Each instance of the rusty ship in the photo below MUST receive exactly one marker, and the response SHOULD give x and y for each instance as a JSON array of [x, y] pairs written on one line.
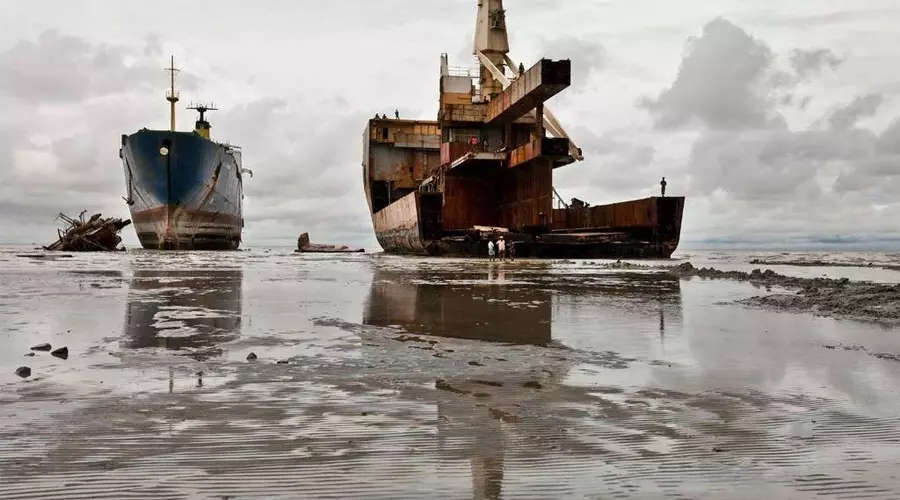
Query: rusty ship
[[485, 168], [184, 190]]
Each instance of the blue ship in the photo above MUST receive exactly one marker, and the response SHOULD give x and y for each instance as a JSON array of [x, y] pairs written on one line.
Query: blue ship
[[184, 190]]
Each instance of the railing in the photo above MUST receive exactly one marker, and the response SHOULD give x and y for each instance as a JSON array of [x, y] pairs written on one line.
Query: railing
[[463, 71]]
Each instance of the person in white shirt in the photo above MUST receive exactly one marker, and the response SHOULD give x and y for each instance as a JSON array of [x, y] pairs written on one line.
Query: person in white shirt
[[501, 248], [490, 249]]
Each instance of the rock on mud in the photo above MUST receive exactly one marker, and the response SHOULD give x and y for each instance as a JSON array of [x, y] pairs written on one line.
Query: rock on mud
[[62, 353], [23, 371], [42, 347]]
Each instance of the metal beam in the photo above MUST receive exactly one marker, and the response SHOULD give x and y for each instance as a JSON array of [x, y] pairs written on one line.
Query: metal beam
[[550, 121], [553, 148], [541, 82]]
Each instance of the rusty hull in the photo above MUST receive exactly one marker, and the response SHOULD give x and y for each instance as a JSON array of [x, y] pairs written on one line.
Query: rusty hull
[[488, 162]]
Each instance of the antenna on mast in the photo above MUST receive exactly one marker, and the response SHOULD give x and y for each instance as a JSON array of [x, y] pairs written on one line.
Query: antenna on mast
[[172, 94], [202, 126]]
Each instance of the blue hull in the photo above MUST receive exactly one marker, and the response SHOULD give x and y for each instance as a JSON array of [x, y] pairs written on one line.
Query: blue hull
[[188, 199]]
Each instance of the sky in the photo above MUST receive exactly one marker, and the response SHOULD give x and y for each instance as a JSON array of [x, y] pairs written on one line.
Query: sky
[[779, 121]]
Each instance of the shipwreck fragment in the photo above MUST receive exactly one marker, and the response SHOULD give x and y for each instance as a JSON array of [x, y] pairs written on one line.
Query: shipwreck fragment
[[304, 246], [93, 235]]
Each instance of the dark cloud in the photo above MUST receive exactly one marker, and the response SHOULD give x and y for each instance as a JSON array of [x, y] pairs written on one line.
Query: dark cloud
[[889, 142], [61, 68], [809, 62], [720, 82], [749, 163], [861, 107]]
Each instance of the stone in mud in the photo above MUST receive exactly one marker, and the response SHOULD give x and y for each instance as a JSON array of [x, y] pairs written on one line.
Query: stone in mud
[[30, 355], [475, 363], [251, 356], [23, 371], [502, 415], [41, 347], [533, 384], [61, 353], [442, 384], [408, 338]]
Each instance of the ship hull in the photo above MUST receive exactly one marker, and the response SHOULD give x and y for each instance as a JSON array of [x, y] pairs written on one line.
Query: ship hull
[[428, 197], [646, 228], [188, 199]]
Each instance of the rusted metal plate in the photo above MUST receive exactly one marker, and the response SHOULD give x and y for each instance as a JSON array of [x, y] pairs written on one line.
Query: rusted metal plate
[[413, 131], [548, 147], [397, 226], [541, 82], [527, 196], [451, 151], [470, 201], [627, 214], [524, 154], [462, 113]]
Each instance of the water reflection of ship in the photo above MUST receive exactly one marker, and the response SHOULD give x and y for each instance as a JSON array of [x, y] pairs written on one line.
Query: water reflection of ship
[[189, 310], [470, 427], [488, 312]]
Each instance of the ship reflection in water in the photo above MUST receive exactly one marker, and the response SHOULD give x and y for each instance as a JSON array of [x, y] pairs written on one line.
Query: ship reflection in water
[[485, 311], [486, 419], [189, 310]]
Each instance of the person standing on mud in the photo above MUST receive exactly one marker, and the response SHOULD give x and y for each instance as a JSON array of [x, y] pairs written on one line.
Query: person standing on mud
[[490, 250], [501, 249], [662, 184]]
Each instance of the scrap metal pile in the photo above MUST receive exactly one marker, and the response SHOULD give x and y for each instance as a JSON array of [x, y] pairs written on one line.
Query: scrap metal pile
[[93, 235]]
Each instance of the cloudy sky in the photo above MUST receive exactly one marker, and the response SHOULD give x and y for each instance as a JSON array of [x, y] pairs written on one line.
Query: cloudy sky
[[780, 121]]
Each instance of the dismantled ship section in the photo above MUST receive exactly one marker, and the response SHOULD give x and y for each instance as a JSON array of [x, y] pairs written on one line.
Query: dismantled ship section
[[485, 168]]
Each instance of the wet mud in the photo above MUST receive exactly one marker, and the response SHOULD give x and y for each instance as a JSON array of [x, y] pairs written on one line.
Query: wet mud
[[841, 298], [823, 263], [261, 374]]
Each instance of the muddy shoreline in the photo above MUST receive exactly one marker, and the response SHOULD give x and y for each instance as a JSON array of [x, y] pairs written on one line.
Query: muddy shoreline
[[823, 263], [838, 298], [381, 377]]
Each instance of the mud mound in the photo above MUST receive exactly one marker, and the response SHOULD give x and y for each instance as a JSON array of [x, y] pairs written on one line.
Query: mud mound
[[824, 296]]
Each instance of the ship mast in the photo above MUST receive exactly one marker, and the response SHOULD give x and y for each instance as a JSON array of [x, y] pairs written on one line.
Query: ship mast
[[172, 94]]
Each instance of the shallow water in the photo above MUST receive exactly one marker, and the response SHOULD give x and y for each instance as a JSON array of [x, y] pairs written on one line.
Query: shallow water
[[432, 378]]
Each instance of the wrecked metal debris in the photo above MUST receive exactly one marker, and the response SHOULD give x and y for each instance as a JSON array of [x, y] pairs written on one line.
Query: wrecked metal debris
[[93, 235], [303, 245]]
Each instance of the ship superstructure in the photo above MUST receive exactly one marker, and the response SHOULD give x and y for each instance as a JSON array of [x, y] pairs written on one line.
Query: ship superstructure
[[485, 168]]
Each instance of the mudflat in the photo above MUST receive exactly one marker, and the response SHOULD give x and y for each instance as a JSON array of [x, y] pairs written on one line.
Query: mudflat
[[267, 374]]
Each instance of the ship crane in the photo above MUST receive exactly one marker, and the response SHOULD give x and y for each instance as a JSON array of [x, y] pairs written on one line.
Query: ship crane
[[492, 49]]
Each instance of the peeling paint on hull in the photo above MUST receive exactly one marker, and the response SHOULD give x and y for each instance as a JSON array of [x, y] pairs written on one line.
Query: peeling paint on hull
[[188, 199]]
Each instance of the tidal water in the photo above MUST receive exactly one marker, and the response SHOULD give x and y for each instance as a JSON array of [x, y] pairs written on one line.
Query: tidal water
[[388, 377]]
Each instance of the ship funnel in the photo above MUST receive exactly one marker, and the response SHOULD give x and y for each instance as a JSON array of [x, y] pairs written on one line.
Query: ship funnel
[[201, 126]]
